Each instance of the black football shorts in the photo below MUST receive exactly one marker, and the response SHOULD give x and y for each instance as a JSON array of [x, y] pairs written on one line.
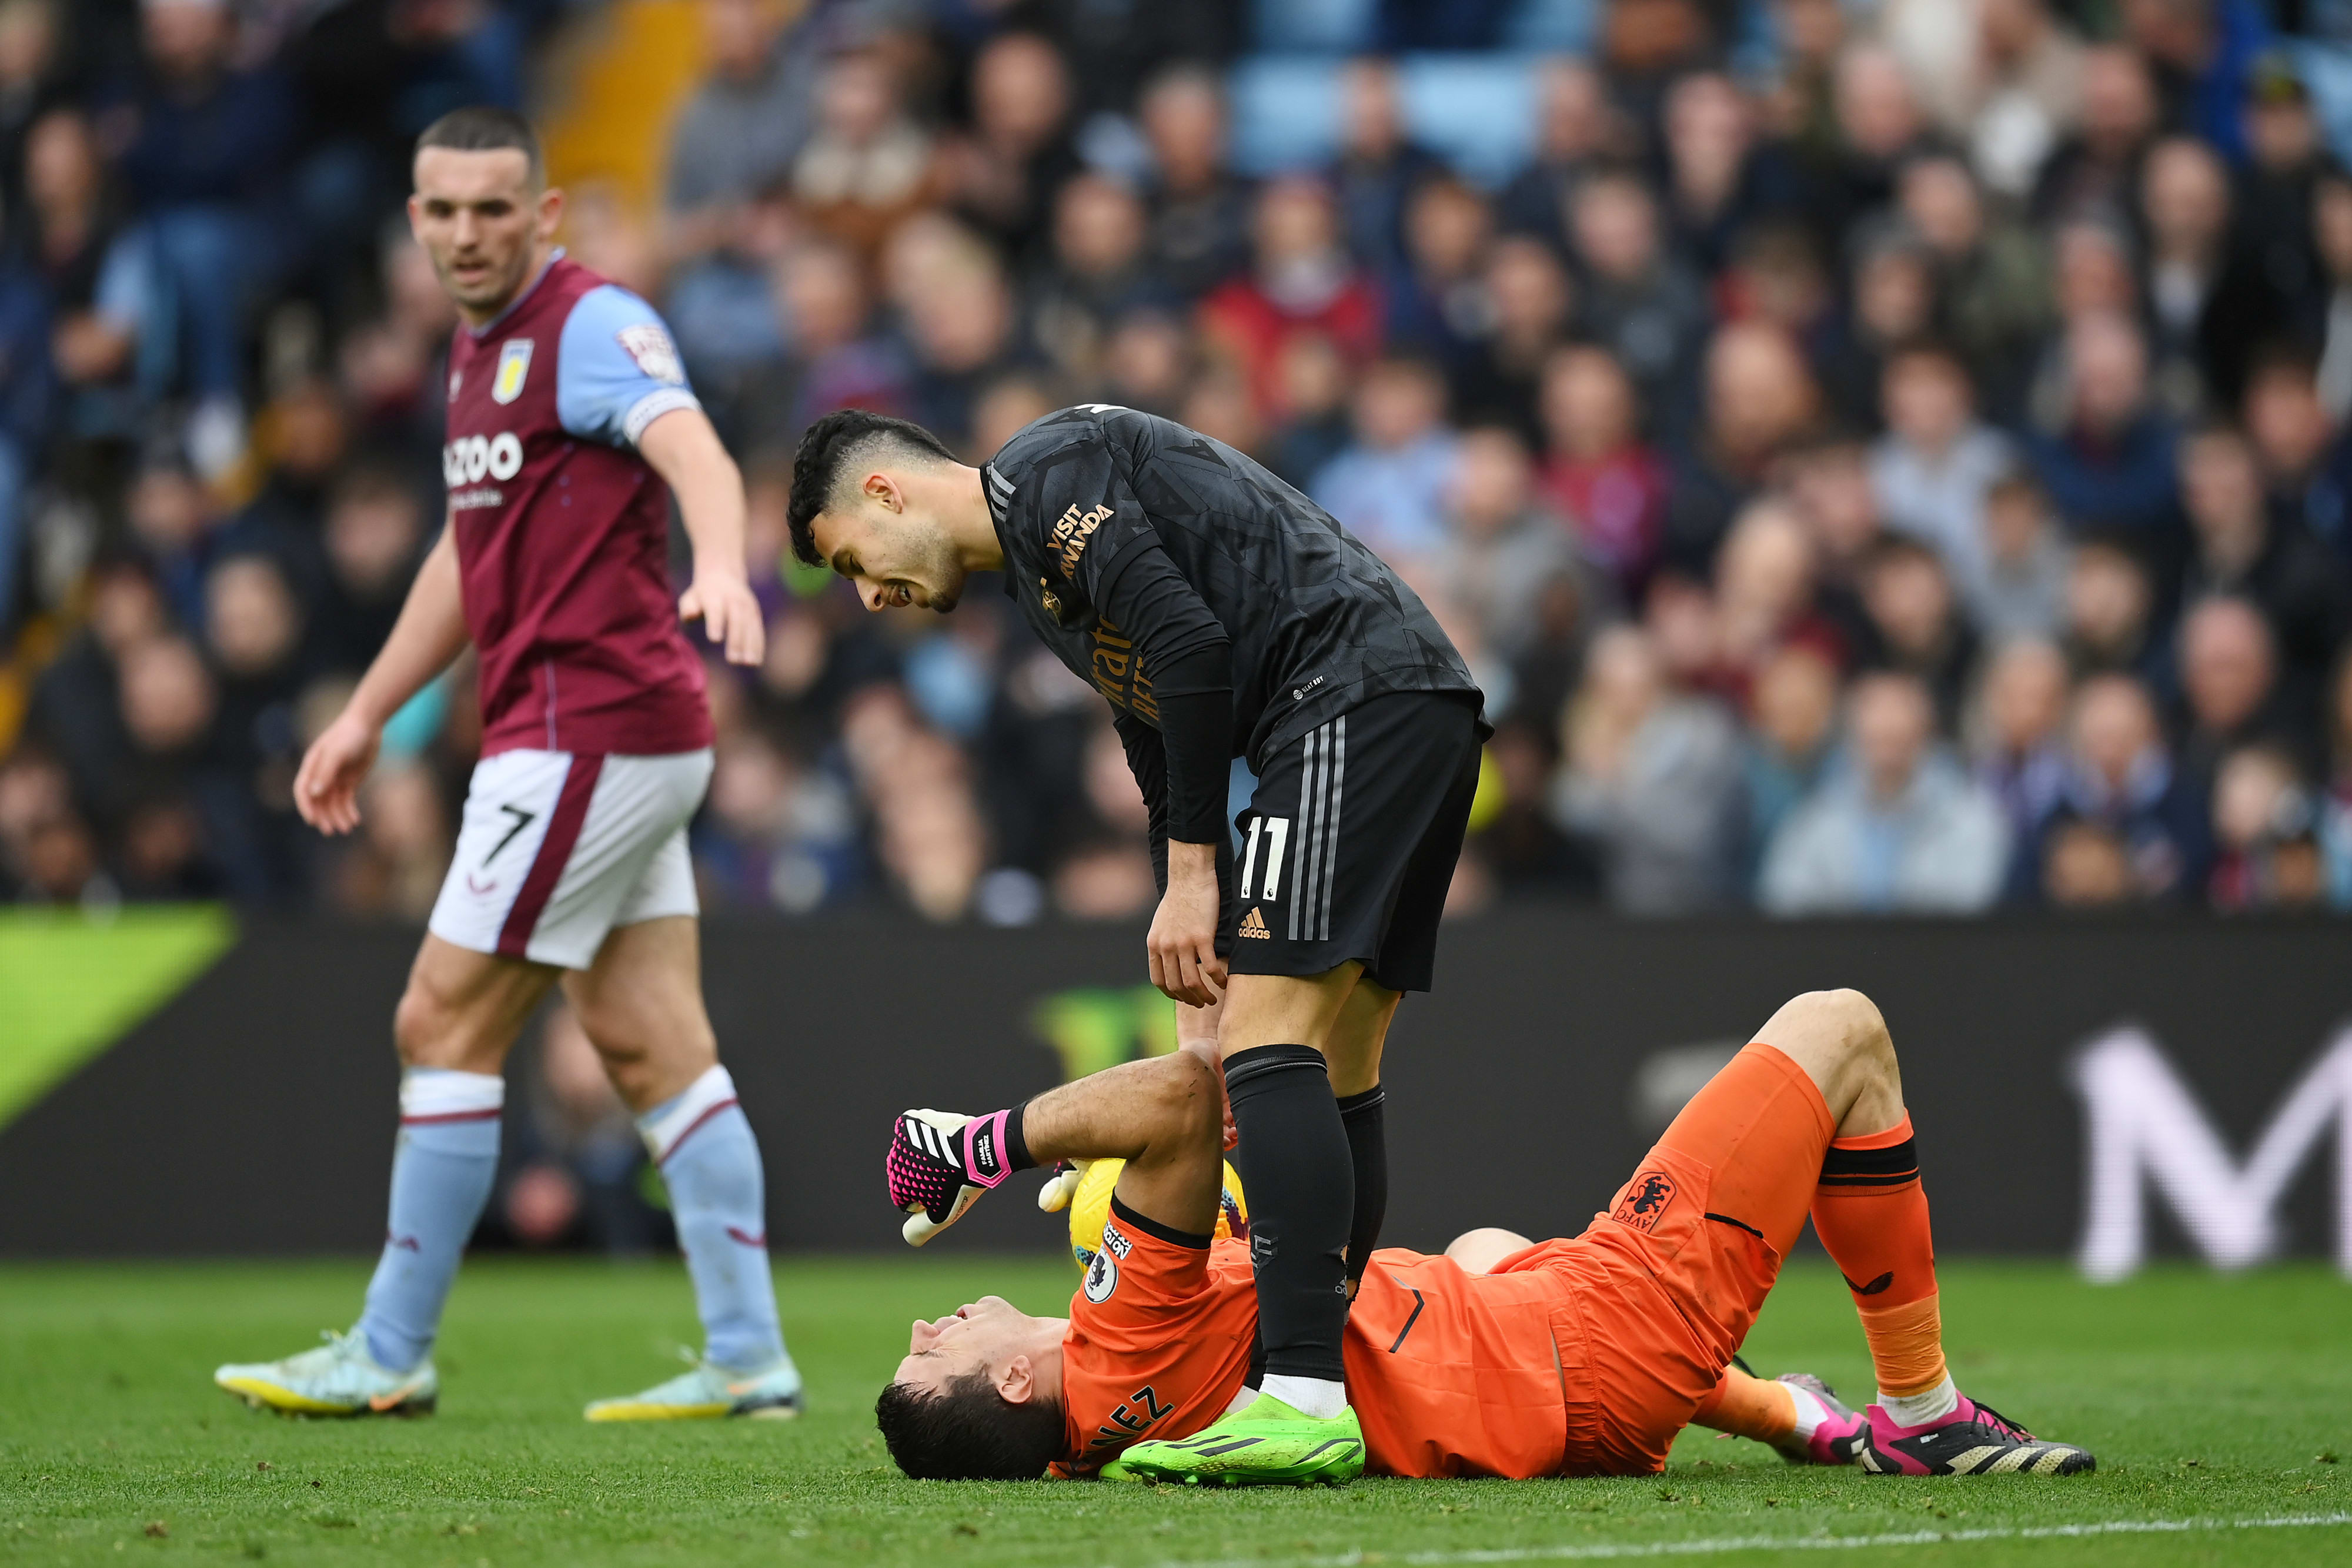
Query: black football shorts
[[1348, 844]]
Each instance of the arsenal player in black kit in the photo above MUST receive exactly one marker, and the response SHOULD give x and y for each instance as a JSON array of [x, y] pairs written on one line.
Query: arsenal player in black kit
[[1223, 614]]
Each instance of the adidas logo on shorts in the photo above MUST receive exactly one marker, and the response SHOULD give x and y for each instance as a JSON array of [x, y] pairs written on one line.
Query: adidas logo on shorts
[[1253, 925]]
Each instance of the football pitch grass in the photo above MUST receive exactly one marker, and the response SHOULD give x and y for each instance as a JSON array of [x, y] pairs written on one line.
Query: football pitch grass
[[2218, 1408]]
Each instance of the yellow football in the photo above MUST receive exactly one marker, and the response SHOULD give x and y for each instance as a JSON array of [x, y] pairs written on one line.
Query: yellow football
[[1090, 1209]]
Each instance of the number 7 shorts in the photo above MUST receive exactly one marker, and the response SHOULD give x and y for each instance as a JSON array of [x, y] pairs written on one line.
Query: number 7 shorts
[[1348, 846], [558, 848]]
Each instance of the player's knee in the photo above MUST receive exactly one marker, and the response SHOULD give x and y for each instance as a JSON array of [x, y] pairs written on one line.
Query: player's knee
[[423, 1026], [1855, 1029], [1190, 1105]]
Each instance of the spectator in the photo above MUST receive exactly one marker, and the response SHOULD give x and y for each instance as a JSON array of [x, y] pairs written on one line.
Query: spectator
[[1791, 740], [1992, 277], [1901, 830], [202, 142], [1720, 180], [1916, 624], [1653, 779], [1575, 123], [107, 295], [1525, 312], [1759, 397], [1380, 166], [1198, 212], [2111, 464], [2331, 232], [1389, 488], [1435, 295], [739, 133], [1764, 581], [1636, 300], [374, 539], [2121, 778], [2264, 832], [1597, 472], [2020, 757], [2110, 611], [1098, 274], [2017, 587], [2298, 584], [961, 330], [2026, 95], [1302, 281], [2098, 167], [2205, 313], [2229, 685], [1501, 553], [837, 359], [1001, 178], [865, 165], [1932, 469]]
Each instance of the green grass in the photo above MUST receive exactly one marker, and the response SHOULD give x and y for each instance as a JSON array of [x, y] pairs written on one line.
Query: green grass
[[2207, 1400]]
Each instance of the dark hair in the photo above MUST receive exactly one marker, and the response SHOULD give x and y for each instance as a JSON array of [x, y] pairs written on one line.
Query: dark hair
[[484, 128], [968, 1432], [828, 446]]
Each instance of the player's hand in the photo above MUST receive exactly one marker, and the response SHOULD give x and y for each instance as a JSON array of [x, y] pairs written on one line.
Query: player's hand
[[1182, 943], [730, 616], [327, 786]]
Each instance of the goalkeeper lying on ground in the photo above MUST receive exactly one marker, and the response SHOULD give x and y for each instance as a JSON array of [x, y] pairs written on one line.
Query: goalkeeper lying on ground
[[1501, 1358]]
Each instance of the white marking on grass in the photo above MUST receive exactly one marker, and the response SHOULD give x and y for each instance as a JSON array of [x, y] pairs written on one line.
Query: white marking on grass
[[1708, 1546]]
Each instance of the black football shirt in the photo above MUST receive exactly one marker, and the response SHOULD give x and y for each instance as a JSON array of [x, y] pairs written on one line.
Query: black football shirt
[[1317, 623]]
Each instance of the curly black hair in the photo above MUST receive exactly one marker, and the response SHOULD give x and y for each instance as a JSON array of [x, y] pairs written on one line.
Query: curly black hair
[[968, 1432], [829, 446]]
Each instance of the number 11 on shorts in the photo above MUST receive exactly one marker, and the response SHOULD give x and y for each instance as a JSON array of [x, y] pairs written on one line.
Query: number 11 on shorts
[[1277, 840]]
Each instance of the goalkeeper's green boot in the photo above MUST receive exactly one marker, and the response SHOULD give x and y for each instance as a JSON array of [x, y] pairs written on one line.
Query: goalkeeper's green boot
[[1268, 1444]]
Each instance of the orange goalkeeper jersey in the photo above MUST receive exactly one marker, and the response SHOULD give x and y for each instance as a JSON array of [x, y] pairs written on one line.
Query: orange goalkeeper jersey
[[1451, 1373]]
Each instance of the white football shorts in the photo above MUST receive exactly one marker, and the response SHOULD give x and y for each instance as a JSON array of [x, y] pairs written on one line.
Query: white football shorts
[[558, 849]]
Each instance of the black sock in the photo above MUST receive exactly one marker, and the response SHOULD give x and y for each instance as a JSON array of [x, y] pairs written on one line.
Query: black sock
[[1365, 1116], [1295, 1165]]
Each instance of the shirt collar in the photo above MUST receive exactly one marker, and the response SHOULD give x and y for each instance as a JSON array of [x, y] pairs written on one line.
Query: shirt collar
[[490, 326]]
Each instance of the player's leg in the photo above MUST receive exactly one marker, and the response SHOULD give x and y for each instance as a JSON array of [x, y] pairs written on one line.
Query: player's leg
[[1338, 821], [1816, 1104], [1871, 1213], [455, 1023], [628, 936], [641, 1006], [1353, 1051]]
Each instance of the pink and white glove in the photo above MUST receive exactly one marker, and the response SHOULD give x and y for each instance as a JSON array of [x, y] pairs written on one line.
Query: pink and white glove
[[940, 1164]]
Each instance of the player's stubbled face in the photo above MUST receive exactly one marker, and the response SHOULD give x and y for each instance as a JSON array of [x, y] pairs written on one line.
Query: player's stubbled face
[[974, 1338], [896, 560], [476, 214]]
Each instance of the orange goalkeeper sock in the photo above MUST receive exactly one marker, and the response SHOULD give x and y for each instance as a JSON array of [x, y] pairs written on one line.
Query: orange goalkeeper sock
[[1749, 1408], [1871, 1215]]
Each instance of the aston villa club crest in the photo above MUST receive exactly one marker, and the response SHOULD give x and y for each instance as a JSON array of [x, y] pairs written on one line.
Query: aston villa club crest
[[514, 369], [1645, 1201]]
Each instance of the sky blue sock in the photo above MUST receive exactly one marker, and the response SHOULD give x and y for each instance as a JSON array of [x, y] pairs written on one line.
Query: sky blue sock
[[718, 1196], [442, 1169]]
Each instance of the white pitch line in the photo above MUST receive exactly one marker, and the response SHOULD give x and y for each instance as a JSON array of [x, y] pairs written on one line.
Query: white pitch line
[[1714, 1546]]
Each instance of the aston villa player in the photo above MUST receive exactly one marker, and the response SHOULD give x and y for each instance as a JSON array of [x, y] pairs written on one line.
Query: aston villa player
[[569, 413]]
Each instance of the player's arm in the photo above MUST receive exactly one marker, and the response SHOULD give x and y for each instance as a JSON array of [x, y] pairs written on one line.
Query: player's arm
[[681, 446], [619, 380], [1189, 659], [429, 633], [1161, 1116]]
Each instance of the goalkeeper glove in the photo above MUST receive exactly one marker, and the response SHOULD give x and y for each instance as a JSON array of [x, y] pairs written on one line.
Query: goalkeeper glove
[[940, 1163], [1062, 1186]]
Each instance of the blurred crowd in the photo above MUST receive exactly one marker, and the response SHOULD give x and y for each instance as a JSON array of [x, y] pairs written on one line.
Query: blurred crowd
[[1878, 456]]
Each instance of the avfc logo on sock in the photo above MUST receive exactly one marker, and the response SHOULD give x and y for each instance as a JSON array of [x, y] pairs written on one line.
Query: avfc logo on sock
[[1645, 1200]]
